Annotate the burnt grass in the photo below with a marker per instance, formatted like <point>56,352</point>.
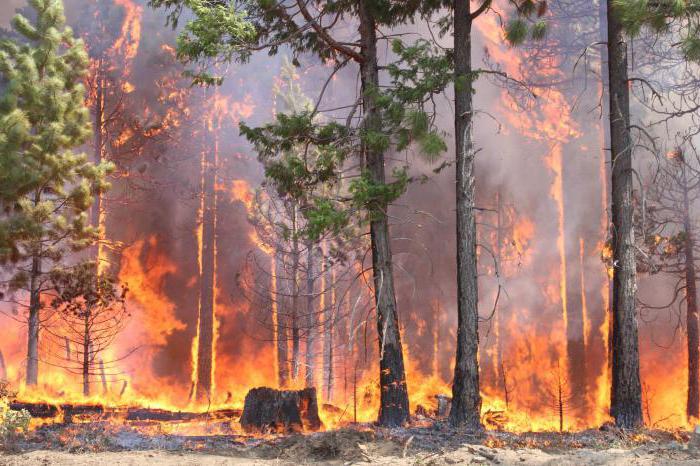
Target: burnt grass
<point>354,443</point>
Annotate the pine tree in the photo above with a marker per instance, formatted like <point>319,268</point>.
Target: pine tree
<point>466,397</point>
<point>387,121</point>
<point>668,238</point>
<point>44,102</point>
<point>678,17</point>
<point>92,309</point>
<point>626,393</point>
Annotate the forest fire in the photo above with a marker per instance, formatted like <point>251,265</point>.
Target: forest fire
<point>238,231</point>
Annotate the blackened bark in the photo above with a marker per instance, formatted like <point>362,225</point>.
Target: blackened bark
<point>393,410</point>
<point>268,410</point>
<point>466,399</point>
<point>34,323</point>
<point>205,348</point>
<point>626,393</point>
<point>693,401</point>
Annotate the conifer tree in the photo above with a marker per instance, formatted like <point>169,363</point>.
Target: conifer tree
<point>669,241</point>
<point>626,390</point>
<point>44,119</point>
<point>679,17</point>
<point>379,121</point>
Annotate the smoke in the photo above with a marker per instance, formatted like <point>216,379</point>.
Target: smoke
<point>541,173</point>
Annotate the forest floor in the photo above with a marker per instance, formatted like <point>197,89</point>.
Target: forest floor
<point>108,444</point>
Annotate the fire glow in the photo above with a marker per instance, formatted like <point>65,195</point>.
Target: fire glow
<point>527,352</point>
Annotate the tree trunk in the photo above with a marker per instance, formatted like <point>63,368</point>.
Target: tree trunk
<point>3,368</point>
<point>207,306</point>
<point>103,376</point>
<point>500,324</point>
<point>626,393</point>
<point>311,321</point>
<point>99,107</point>
<point>267,410</point>
<point>277,297</point>
<point>34,323</point>
<point>394,408</point>
<point>693,405</point>
<point>86,355</point>
<point>466,399</point>
<point>295,297</point>
<point>605,103</point>
<point>328,329</point>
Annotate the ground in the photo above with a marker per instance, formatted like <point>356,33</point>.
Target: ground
<point>106,444</point>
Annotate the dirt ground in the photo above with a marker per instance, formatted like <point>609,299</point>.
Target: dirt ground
<point>105,444</point>
<point>466,455</point>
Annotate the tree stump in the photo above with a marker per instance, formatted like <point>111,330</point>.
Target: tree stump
<point>270,410</point>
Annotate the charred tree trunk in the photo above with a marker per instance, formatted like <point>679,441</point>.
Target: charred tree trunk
<point>693,402</point>
<point>311,321</point>
<point>34,323</point>
<point>626,393</point>
<point>267,410</point>
<point>466,399</point>
<point>282,356</point>
<point>207,283</point>
<point>393,410</point>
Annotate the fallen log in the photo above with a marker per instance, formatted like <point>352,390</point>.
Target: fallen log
<point>36,410</point>
<point>270,410</point>
<point>68,411</point>
<point>145,414</point>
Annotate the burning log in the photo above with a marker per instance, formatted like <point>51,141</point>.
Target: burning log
<point>144,414</point>
<point>76,410</point>
<point>267,409</point>
<point>37,410</point>
<point>50,411</point>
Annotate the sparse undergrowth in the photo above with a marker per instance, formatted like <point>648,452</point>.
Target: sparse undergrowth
<point>13,424</point>
<point>436,444</point>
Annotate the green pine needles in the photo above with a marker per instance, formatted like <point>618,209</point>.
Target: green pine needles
<point>43,119</point>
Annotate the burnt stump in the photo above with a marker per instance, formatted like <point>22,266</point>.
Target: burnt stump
<point>283,411</point>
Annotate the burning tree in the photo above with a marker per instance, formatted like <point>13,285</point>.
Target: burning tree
<point>44,102</point>
<point>92,309</point>
<point>628,16</point>
<point>130,124</point>
<point>302,309</point>
<point>668,232</point>
<point>370,138</point>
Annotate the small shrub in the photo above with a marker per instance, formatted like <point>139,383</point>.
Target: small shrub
<point>13,424</point>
